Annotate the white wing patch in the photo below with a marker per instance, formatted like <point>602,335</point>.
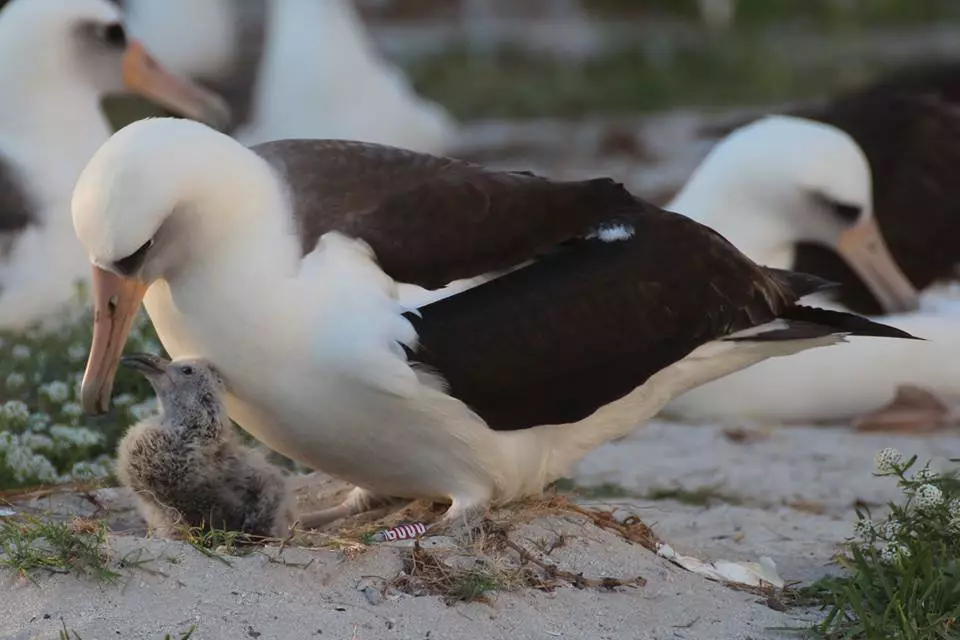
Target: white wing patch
<point>612,233</point>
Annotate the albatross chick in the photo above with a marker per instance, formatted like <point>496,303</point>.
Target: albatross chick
<point>185,465</point>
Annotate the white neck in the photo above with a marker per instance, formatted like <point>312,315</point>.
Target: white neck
<point>240,248</point>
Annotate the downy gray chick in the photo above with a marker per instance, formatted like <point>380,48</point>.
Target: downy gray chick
<point>187,467</point>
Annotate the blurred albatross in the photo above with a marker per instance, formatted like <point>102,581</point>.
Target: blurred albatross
<point>280,264</point>
<point>779,187</point>
<point>292,69</point>
<point>58,58</point>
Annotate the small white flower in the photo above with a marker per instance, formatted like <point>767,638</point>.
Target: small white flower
<point>954,525</point>
<point>954,507</point>
<point>57,391</point>
<point>893,552</point>
<point>35,441</point>
<point>72,409</point>
<point>864,529</point>
<point>887,458</point>
<point>928,496</point>
<point>38,422</point>
<point>891,529</point>
<point>29,466</point>
<point>16,411</point>
<point>20,352</point>
<point>924,474</point>
<point>15,380</point>
<point>76,436</point>
<point>124,399</point>
<point>77,352</point>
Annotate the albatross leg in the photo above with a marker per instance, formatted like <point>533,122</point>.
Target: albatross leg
<point>358,501</point>
<point>465,514</point>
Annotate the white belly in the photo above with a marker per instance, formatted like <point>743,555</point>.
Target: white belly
<point>387,443</point>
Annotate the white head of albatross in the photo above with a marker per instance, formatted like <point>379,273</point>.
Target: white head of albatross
<point>58,59</point>
<point>782,180</point>
<point>262,261</point>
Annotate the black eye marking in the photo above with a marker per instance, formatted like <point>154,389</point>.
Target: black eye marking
<point>187,370</point>
<point>849,213</point>
<point>129,265</point>
<point>113,34</point>
<point>845,212</point>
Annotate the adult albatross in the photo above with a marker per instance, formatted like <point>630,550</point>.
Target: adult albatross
<point>279,265</point>
<point>58,58</point>
<point>770,187</point>
<point>907,127</point>
<point>292,69</point>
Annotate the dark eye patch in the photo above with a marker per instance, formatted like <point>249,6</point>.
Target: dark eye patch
<point>114,35</point>
<point>129,265</point>
<point>844,212</point>
<point>109,35</point>
<point>187,370</point>
<point>849,213</point>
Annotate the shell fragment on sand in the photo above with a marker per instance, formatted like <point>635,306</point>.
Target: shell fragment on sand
<point>752,574</point>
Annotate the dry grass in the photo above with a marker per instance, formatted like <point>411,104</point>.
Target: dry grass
<point>494,563</point>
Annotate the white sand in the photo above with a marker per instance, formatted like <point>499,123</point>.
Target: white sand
<point>827,468</point>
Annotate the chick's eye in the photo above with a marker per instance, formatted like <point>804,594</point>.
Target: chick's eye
<point>113,34</point>
<point>187,370</point>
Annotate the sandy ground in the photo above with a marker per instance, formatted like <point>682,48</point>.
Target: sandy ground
<point>787,493</point>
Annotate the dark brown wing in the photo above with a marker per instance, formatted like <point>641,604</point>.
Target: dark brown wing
<point>554,341</point>
<point>432,220</point>
<point>913,145</point>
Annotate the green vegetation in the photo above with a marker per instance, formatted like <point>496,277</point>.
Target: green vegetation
<point>29,545</point>
<point>814,13</point>
<point>44,437</point>
<point>902,574</point>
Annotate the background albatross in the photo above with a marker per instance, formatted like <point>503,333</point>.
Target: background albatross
<point>58,59</point>
<point>280,265</point>
<point>784,189</point>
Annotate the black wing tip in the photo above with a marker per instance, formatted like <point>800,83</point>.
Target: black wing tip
<point>801,283</point>
<point>846,323</point>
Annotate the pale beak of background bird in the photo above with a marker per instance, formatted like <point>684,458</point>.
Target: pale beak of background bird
<point>116,301</point>
<point>863,248</point>
<point>143,75</point>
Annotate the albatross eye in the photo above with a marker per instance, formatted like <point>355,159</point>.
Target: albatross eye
<point>187,370</point>
<point>113,34</point>
<point>848,213</point>
<point>132,263</point>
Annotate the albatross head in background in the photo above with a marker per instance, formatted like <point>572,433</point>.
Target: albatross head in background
<point>83,44</point>
<point>58,59</point>
<point>782,180</point>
